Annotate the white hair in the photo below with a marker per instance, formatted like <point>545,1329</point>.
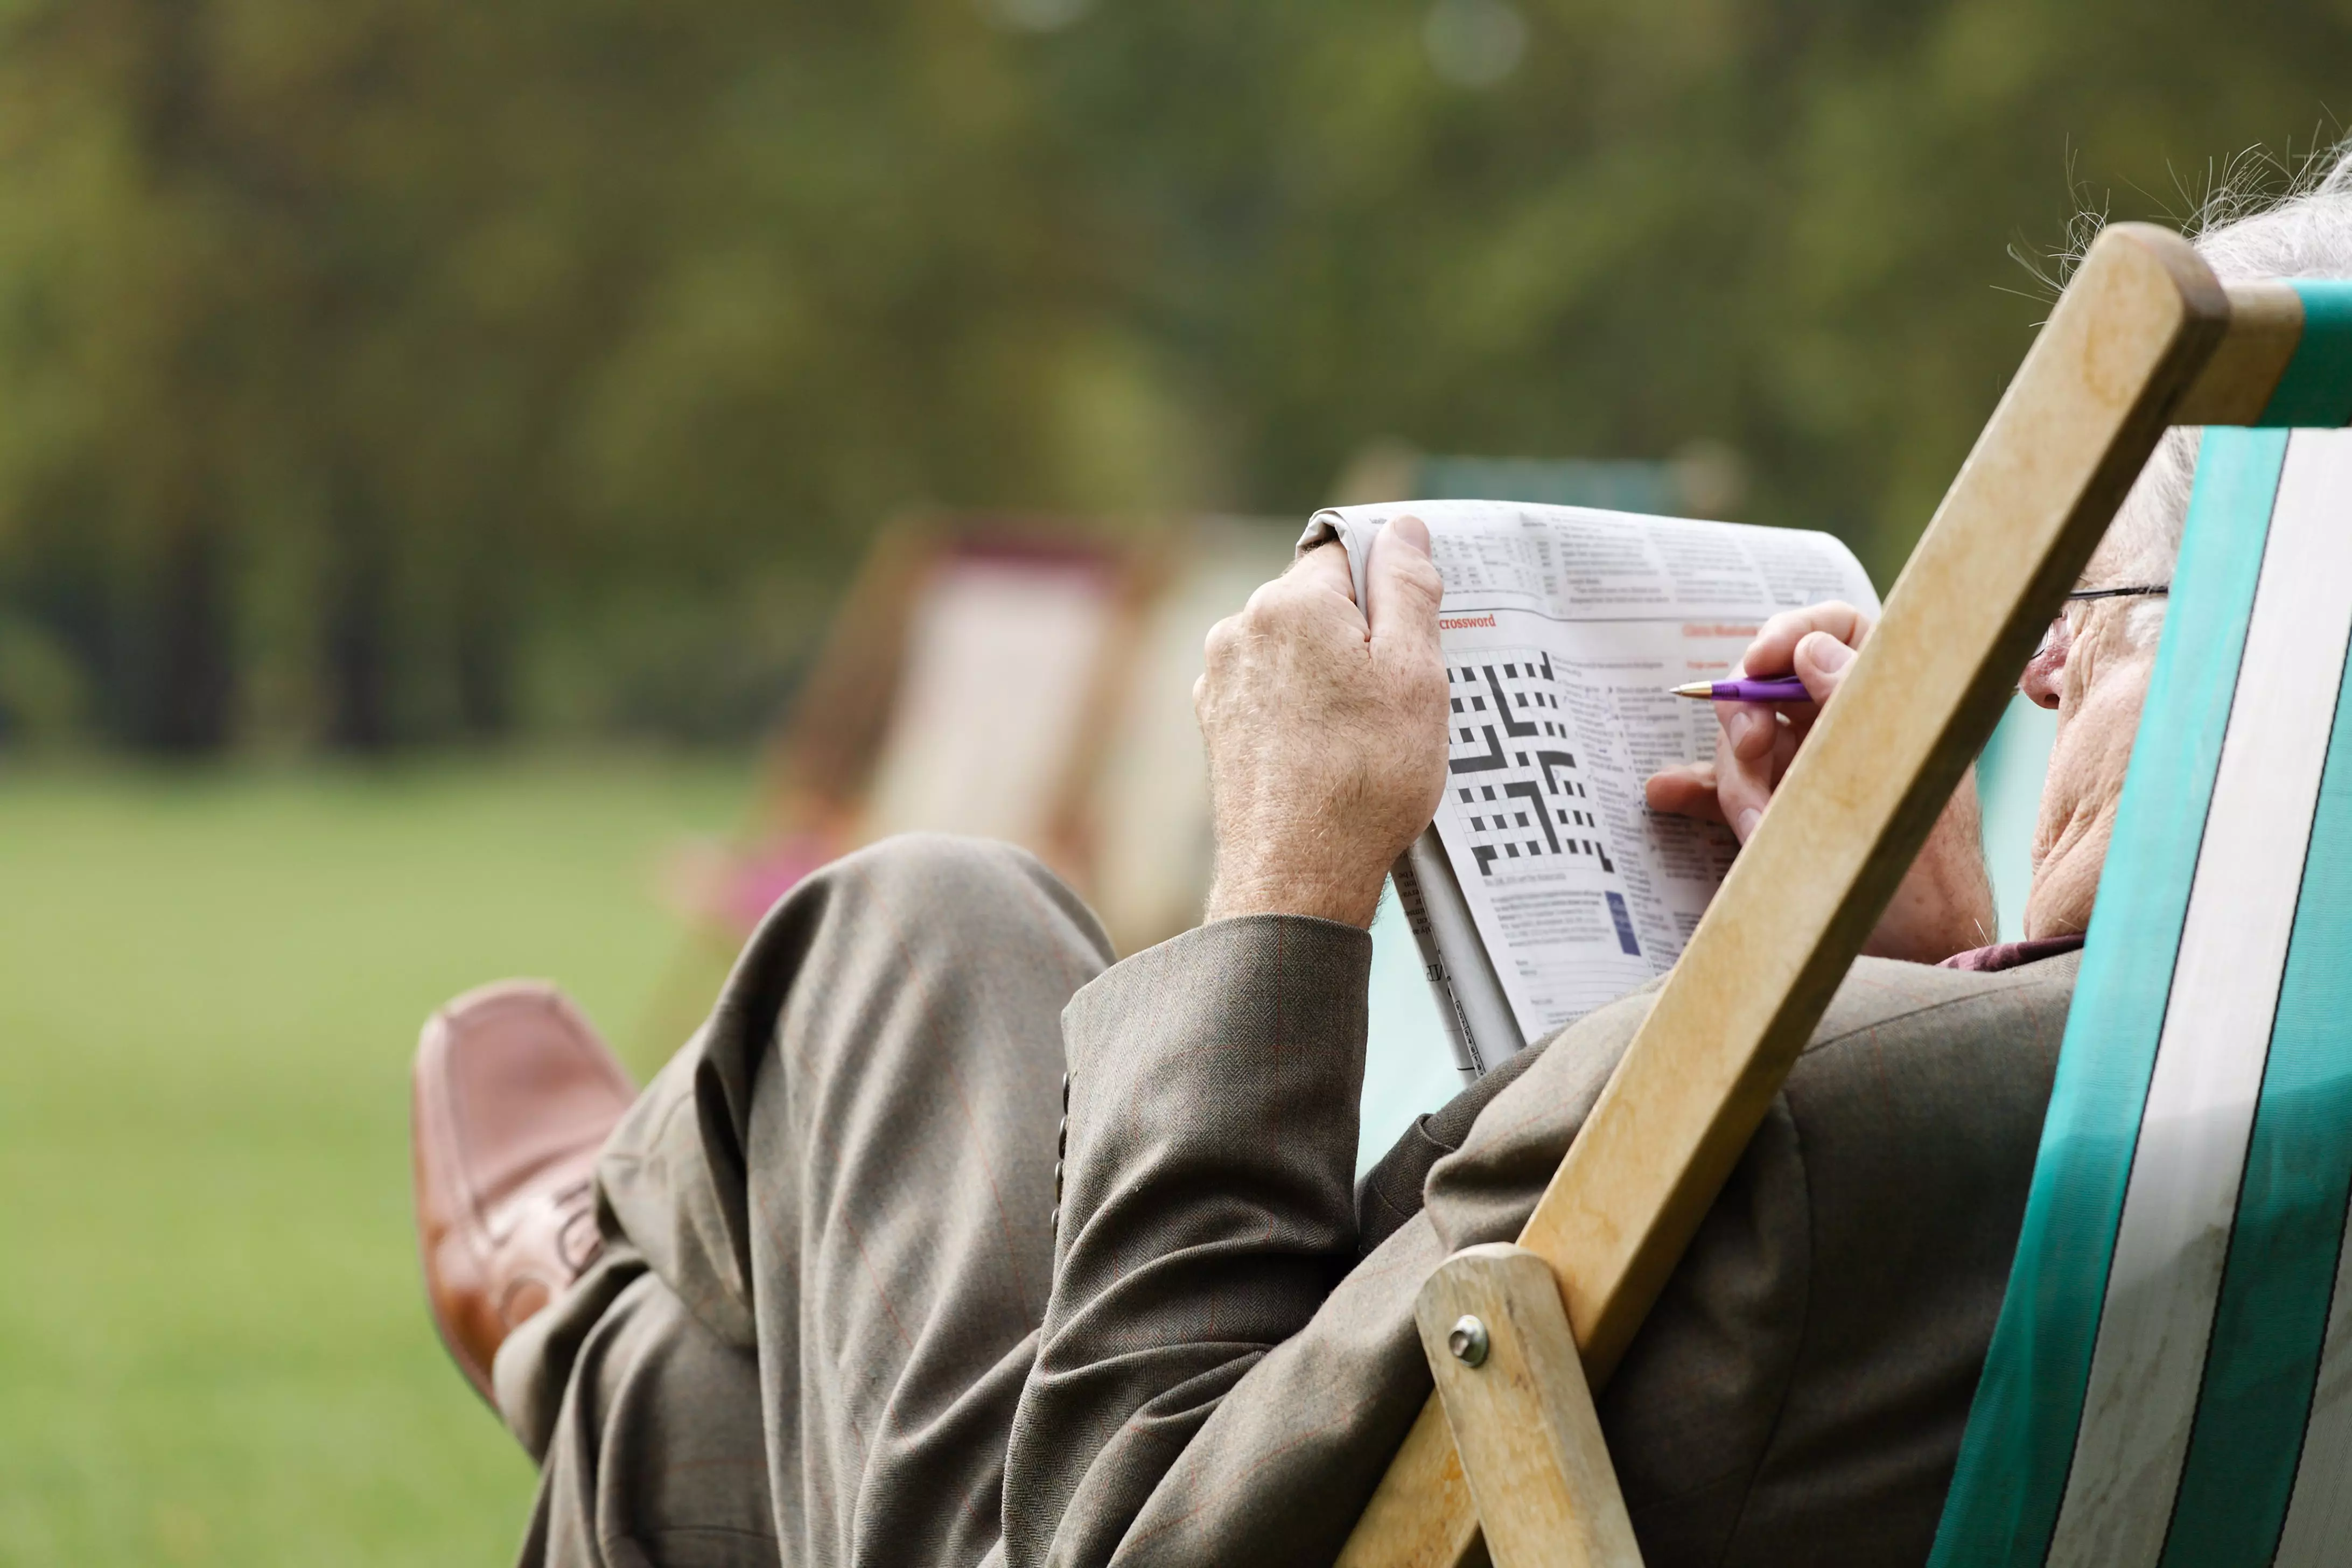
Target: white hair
<point>2242,237</point>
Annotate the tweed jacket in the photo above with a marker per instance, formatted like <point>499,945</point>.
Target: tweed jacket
<point>1228,1356</point>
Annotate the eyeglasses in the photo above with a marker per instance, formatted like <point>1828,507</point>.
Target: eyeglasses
<point>2063,629</point>
<point>2157,589</point>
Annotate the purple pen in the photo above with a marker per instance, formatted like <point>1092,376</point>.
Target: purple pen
<point>1780,689</point>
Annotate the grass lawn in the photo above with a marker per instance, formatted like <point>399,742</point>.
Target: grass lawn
<point>213,1340</point>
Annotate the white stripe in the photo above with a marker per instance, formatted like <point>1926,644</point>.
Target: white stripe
<point>2175,1231</point>
<point>2318,1531</point>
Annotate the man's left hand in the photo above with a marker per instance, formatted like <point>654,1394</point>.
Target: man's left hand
<point>1326,730</point>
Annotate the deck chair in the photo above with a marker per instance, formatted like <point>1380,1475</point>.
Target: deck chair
<point>2168,1380</point>
<point>2171,1378</point>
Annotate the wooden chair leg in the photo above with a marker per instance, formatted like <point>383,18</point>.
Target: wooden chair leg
<point>1513,1386</point>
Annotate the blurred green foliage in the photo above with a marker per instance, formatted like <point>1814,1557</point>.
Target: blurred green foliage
<point>402,370</point>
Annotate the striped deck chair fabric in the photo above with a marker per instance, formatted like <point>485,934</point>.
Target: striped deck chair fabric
<point>2171,1381</point>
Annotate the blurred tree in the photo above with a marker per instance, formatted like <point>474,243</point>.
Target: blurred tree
<point>1786,226</point>
<point>434,323</point>
<point>403,370</point>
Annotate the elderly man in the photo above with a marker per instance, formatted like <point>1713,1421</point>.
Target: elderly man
<point>949,1240</point>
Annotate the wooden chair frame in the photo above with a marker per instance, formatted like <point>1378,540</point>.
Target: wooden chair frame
<point>2143,337</point>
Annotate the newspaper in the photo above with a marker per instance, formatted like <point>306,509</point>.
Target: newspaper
<point>1547,887</point>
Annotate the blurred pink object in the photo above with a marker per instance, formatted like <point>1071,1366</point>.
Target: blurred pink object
<point>729,888</point>
<point>765,874</point>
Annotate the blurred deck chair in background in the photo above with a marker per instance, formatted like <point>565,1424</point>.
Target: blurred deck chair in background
<point>2171,1379</point>
<point>1011,651</point>
<point>950,691</point>
<point>1140,798</point>
<point>1024,680</point>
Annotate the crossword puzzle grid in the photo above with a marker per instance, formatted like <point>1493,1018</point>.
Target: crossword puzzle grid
<point>1512,771</point>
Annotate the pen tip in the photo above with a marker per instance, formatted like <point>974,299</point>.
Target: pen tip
<point>1695,688</point>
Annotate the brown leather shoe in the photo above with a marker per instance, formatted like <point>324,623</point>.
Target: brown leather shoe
<point>514,1094</point>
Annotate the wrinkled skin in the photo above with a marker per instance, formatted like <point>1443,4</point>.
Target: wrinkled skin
<point>2096,677</point>
<point>1325,727</point>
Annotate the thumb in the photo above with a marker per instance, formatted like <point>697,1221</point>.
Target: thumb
<point>1821,663</point>
<point>1402,582</point>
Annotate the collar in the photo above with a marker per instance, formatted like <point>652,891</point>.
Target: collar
<point>2009,954</point>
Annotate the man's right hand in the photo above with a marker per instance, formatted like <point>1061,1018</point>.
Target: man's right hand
<point>1326,728</point>
<point>1944,903</point>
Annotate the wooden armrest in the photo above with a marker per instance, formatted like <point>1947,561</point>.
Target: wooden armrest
<point>1520,1413</point>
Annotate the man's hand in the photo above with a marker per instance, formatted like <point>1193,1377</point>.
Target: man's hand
<point>1945,904</point>
<point>1326,730</point>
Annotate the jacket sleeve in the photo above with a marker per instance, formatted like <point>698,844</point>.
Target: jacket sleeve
<point>1207,1209</point>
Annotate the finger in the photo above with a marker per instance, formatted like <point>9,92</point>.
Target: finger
<point>1325,566</point>
<point>1743,786</point>
<point>1317,578</point>
<point>1218,647</point>
<point>1748,727</point>
<point>1774,650</point>
<point>1686,789</point>
<point>1821,661</point>
<point>1402,584</point>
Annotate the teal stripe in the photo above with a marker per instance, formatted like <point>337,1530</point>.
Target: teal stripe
<point>2315,390</point>
<point>2011,1476</point>
<point>2272,1321</point>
